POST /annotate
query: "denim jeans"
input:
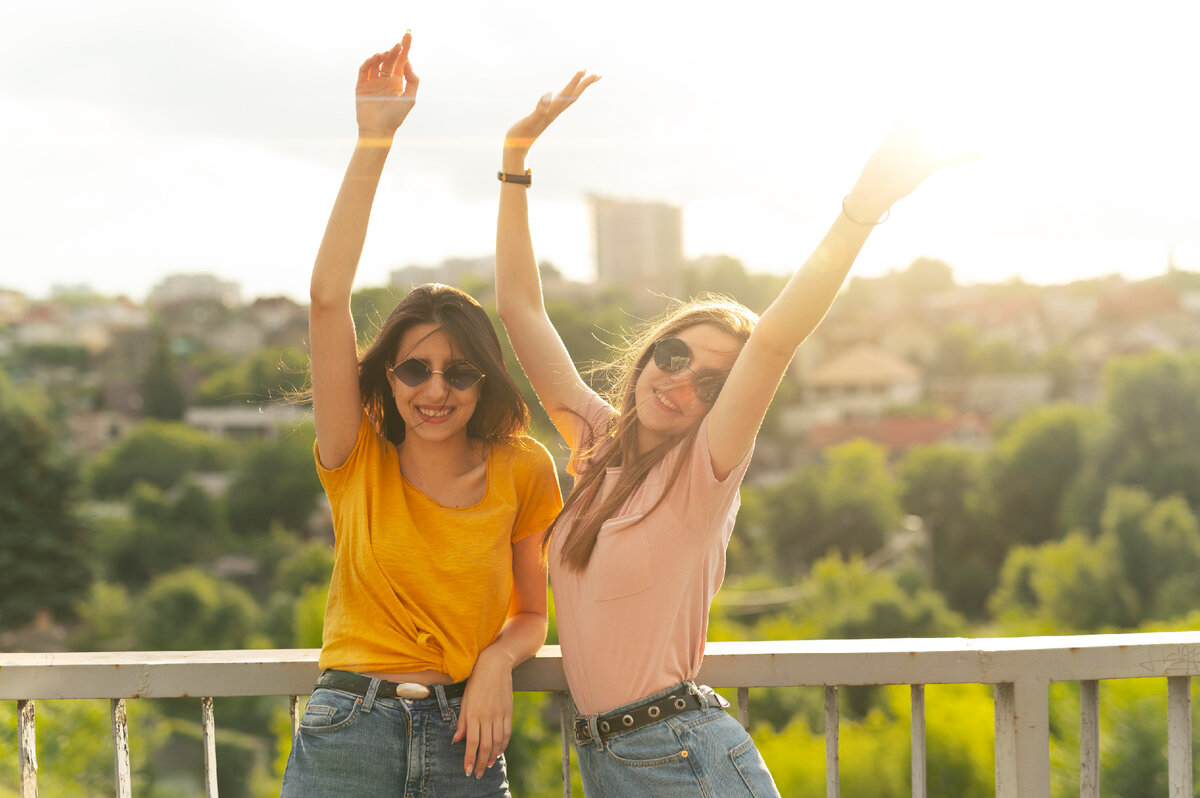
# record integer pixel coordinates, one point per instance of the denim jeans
(701, 752)
(367, 747)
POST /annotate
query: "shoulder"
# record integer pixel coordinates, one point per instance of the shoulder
(523, 451)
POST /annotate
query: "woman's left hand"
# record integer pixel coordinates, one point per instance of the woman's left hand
(485, 720)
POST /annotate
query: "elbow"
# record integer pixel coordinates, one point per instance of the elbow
(322, 300)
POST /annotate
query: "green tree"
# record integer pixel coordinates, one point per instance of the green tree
(270, 373)
(165, 531)
(1154, 402)
(190, 610)
(43, 543)
(162, 393)
(1073, 585)
(947, 487)
(1032, 468)
(159, 453)
(275, 481)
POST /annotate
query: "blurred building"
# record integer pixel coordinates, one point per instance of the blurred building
(180, 288)
(638, 245)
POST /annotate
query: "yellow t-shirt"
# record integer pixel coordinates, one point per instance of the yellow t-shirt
(415, 584)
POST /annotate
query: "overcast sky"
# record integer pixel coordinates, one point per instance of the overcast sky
(148, 138)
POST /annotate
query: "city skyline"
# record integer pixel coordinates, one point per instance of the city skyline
(214, 142)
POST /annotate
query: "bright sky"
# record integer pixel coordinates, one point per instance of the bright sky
(144, 138)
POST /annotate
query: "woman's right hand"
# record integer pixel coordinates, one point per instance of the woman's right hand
(386, 91)
(520, 137)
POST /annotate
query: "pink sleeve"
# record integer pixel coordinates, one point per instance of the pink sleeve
(707, 493)
(591, 425)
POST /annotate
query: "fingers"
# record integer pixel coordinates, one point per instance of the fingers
(472, 748)
(396, 58)
(411, 81)
(485, 756)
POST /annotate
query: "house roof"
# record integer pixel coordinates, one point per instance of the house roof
(863, 364)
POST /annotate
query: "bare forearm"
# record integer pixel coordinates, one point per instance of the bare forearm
(518, 285)
(522, 636)
(810, 292)
(341, 247)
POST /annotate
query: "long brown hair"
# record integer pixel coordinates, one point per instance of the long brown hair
(617, 446)
(501, 412)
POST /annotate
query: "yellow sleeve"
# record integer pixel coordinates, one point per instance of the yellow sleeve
(366, 446)
(538, 496)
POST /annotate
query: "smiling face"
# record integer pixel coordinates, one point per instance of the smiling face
(667, 405)
(432, 411)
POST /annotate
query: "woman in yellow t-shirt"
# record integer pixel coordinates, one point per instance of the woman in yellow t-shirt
(438, 587)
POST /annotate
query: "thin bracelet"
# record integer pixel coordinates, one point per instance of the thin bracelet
(881, 219)
(521, 180)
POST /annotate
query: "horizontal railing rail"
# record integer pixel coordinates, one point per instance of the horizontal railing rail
(1020, 669)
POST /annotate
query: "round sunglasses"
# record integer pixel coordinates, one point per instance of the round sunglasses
(460, 376)
(672, 356)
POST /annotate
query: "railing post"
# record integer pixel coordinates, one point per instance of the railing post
(1179, 736)
(1023, 739)
(743, 699)
(27, 748)
(1089, 739)
(210, 747)
(120, 735)
(918, 740)
(294, 711)
(567, 721)
(832, 780)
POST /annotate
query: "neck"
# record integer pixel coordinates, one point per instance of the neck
(448, 458)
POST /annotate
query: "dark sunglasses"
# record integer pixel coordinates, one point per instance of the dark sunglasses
(672, 355)
(460, 376)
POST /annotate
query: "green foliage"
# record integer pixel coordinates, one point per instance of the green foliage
(1154, 402)
(164, 532)
(1158, 544)
(159, 453)
(43, 543)
(1073, 585)
(270, 373)
(105, 619)
(849, 505)
(275, 481)
(1032, 467)
(190, 610)
(162, 393)
(74, 747)
(946, 486)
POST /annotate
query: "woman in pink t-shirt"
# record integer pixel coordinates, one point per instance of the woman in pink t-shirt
(638, 552)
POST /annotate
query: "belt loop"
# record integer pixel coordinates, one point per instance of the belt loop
(443, 702)
(694, 690)
(369, 701)
(593, 722)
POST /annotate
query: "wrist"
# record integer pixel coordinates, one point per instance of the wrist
(375, 138)
(513, 162)
(495, 657)
(863, 207)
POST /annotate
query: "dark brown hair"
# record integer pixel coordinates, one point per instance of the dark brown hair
(501, 412)
(617, 446)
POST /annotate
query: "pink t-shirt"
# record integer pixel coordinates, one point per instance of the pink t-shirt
(634, 621)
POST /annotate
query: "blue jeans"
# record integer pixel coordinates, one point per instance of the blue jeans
(701, 752)
(367, 747)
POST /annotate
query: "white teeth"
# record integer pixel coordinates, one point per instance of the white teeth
(665, 401)
(436, 413)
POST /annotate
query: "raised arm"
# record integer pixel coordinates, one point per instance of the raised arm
(386, 90)
(902, 162)
(536, 343)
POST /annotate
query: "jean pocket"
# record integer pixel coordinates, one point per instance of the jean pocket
(328, 711)
(750, 766)
(653, 745)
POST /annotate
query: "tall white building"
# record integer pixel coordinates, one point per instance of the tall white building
(639, 245)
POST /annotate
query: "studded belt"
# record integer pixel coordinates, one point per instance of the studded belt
(357, 683)
(644, 713)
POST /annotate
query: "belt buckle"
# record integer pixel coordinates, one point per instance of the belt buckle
(581, 731)
(411, 690)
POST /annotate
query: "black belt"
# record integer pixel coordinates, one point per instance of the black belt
(359, 684)
(643, 714)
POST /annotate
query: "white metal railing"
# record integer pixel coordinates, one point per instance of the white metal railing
(1021, 670)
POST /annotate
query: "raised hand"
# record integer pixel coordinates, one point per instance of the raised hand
(386, 91)
(905, 158)
(520, 137)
